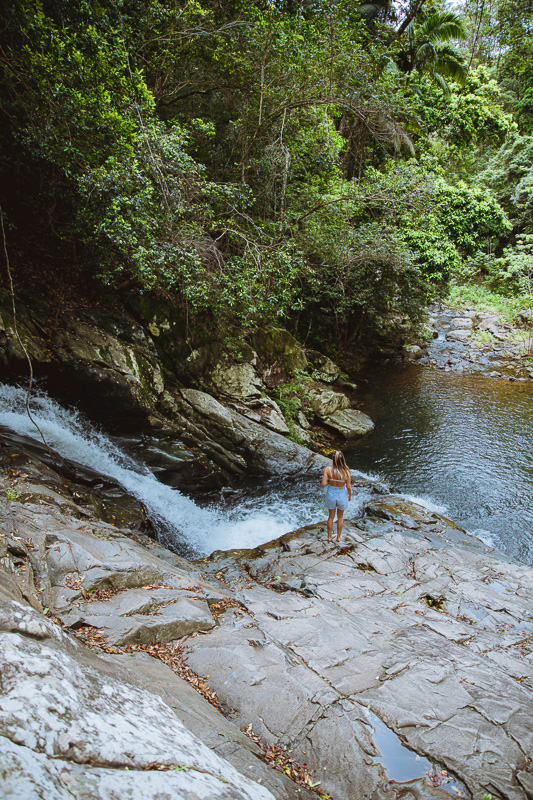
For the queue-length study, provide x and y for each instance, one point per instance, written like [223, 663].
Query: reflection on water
[462, 441]
[405, 766]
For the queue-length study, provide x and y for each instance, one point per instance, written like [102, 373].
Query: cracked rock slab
[75, 731]
[180, 618]
[384, 624]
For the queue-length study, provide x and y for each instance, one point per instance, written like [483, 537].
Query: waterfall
[190, 528]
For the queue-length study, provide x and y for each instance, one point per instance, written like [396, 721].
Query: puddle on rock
[404, 766]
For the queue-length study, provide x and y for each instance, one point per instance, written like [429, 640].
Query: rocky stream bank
[135, 370]
[469, 340]
[397, 664]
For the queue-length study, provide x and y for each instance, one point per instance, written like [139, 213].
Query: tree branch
[408, 19]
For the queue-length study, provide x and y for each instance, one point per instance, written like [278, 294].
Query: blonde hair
[339, 465]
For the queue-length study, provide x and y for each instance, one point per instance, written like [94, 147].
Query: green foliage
[509, 175]
[424, 49]
[516, 270]
[458, 221]
[477, 114]
[304, 164]
[289, 396]
[469, 215]
[142, 214]
[479, 296]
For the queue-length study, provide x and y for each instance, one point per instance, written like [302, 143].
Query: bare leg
[340, 523]
[330, 525]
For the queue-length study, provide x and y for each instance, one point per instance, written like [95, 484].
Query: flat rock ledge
[395, 664]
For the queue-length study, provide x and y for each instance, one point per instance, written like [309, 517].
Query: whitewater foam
[426, 502]
[179, 521]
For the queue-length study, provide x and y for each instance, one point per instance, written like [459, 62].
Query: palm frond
[388, 67]
[426, 52]
[442, 27]
[410, 31]
[439, 80]
[449, 66]
[385, 128]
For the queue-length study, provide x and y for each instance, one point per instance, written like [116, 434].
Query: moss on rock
[280, 354]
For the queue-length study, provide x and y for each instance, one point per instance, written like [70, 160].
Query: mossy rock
[323, 368]
[280, 354]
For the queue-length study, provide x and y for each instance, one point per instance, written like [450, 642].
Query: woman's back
[336, 478]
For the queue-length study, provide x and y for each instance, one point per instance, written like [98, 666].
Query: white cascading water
[199, 530]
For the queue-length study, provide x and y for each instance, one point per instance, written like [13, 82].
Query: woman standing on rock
[339, 492]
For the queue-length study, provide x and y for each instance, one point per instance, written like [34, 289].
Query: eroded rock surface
[98, 723]
[350, 423]
[419, 624]
[264, 451]
[406, 647]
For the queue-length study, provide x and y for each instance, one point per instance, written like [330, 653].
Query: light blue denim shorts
[337, 497]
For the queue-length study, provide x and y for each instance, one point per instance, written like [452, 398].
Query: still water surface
[461, 441]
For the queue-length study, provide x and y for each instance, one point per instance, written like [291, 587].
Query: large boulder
[265, 452]
[460, 335]
[107, 364]
[267, 412]
[462, 322]
[228, 375]
[280, 355]
[236, 381]
[350, 423]
[323, 368]
[325, 401]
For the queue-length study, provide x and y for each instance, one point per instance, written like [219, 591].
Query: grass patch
[482, 339]
[481, 298]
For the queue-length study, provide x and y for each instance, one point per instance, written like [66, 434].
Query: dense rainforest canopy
[322, 165]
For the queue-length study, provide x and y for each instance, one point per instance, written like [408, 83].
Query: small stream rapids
[248, 520]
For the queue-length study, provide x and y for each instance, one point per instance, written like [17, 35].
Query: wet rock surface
[416, 622]
[395, 664]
